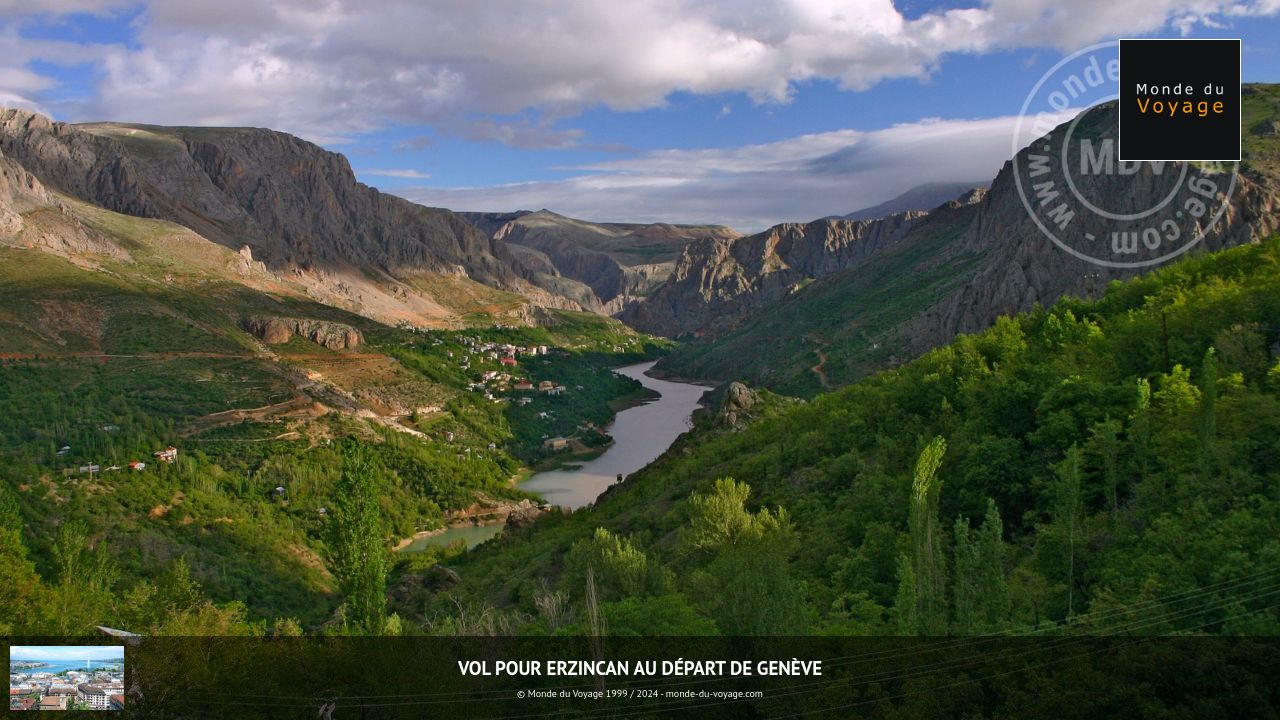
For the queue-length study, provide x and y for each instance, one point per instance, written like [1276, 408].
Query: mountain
[123, 335]
[921, 197]
[958, 270]
[718, 281]
[286, 203]
[617, 262]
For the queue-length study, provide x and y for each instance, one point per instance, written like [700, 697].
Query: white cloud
[334, 68]
[395, 173]
[754, 186]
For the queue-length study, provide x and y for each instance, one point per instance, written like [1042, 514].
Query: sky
[65, 653]
[745, 113]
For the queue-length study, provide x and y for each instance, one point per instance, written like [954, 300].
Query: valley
[236, 380]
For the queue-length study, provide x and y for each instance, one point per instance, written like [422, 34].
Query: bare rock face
[1021, 268]
[618, 262]
[32, 217]
[719, 281]
[739, 400]
[522, 517]
[291, 202]
[277, 330]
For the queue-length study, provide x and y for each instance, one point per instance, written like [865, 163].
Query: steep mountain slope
[990, 261]
[619, 262]
[717, 282]
[921, 197]
[296, 207]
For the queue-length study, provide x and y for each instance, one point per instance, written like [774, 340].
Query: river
[640, 434]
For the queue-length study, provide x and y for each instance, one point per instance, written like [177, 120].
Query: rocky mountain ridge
[921, 197]
[618, 263]
[718, 281]
[296, 207]
[957, 269]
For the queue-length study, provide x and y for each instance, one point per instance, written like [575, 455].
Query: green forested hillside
[1112, 464]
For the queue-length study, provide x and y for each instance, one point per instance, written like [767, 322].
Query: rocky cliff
[618, 262]
[277, 330]
[718, 281]
[33, 217]
[293, 203]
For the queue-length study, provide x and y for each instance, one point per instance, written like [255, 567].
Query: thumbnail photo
[66, 677]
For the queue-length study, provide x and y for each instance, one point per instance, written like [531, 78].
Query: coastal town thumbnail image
[66, 677]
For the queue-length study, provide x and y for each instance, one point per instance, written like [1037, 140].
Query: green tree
[747, 587]
[620, 568]
[980, 591]
[720, 517]
[905, 605]
[85, 576]
[358, 554]
[1208, 400]
[928, 560]
[1105, 443]
[1140, 428]
[1068, 509]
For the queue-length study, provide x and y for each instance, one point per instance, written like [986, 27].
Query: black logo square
[1179, 100]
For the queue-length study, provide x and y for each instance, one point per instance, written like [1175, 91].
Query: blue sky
[65, 653]
[676, 110]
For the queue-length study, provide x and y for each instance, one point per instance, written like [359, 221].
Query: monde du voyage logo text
[1136, 177]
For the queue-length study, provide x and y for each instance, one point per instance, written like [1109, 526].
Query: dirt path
[299, 407]
[820, 368]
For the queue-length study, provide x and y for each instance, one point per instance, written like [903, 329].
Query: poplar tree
[1106, 441]
[358, 553]
[1140, 427]
[1208, 398]
[1067, 510]
[980, 593]
[928, 561]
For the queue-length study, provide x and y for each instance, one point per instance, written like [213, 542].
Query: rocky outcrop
[617, 262]
[33, 217]
[1021, 268]
[522, 517]
[737, 405]
[717, 282]
[292, 202]
[277, 330]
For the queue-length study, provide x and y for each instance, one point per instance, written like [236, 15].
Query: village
[33, 688]
[168, 455]
[508, 384]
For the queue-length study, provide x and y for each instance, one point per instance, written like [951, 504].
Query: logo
[1112, 213]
